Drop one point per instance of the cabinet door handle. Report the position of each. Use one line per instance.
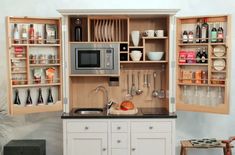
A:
(104, 149)
(119, 128)
(151, 127)
(118, 141)
(133, 149)
(86, 128)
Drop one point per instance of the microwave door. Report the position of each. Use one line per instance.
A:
(88, 59)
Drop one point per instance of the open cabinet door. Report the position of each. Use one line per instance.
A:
(34, 56)
(203, 63)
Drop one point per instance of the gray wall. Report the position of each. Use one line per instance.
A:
(49, 126)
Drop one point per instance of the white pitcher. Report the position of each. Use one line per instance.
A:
(135, 36)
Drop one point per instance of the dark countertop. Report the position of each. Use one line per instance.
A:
(142, 113)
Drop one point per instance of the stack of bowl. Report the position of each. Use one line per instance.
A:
(135, 55)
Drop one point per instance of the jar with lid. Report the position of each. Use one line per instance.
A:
(51, 59)
(33, 59)
(42, 59)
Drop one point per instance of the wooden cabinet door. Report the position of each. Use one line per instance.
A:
(151, 144)
(87, 144)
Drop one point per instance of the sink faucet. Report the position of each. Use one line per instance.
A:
(107, 103)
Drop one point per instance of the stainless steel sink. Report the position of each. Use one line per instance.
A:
(89, 111)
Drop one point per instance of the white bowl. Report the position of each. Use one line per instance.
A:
(136, 52)
(155, 56)
(136, 57)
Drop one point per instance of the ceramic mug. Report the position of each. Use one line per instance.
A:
(159, 33)
(149, 33)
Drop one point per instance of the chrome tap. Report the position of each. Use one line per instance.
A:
(107, 103)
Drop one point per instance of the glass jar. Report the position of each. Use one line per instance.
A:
(33, 59)
(42, 59)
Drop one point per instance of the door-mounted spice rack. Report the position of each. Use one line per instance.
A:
(35, 62)
(203, 63)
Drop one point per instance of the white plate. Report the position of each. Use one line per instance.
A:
(219, 51)
(106, 31)
(219, 64)
(96, 28)
(112, 31)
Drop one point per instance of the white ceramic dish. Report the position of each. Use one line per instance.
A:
(136, 56)
(219, 51)
(219, 64)
(155, 55)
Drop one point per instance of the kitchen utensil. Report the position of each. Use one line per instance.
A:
(219, 51)
(128, 95)
(133, 88)
(161, 92)
(139, 91)
(145, 80)
(148, 80)
(219, 64)
(155, 92)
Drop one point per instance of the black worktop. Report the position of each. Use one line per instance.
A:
(142, 113)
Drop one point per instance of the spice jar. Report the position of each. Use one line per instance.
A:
(42, 59)
(51, 59)
(33, 59)
(198, 77)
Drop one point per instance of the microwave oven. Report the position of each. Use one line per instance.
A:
(95, 58)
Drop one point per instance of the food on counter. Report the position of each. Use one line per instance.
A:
(50, 72)
(127, 105)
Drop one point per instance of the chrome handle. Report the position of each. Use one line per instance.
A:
(133, 149)
(151, 127)
(104, 149)
(118, 141)
(86, 128)
(119, 128)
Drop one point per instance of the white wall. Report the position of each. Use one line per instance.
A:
(49, 126)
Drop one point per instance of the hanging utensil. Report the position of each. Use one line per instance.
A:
(155, 92)
(145, 80)
(161, 92)
(139, 91)
(133, 88)
(128, 95)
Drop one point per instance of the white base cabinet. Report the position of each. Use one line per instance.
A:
(119, 137)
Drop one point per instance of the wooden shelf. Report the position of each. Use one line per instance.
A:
(219, 109)
(218, 57)
(215, 71)
(201, 85)
(37, 45)
(193, 44)
(18, 110)
(43, 65)
(136, 62)
(130, 47)
(155, 38)
(18, 58)
(36, 85)
(193, 64)
(19, 72)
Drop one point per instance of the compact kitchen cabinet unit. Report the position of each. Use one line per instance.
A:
(95, 26)
(210, 93)
(30, 54)
(119, 137)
